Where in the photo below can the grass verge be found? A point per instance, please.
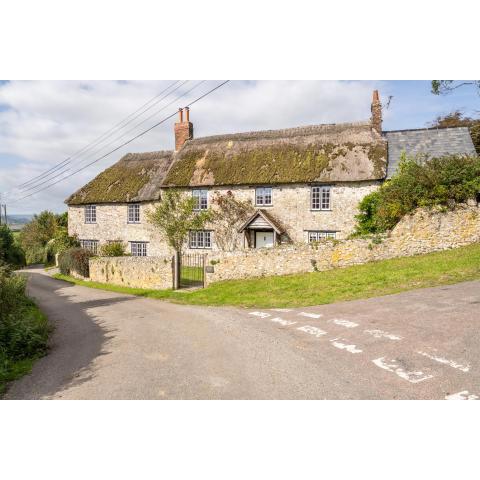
(362, 281)
(18, 360)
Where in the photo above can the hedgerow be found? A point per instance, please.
(75, 259)
(444, 181)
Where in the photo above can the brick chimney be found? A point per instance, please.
(376, 112)
(183, 129)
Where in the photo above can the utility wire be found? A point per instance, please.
(118, 126)
(116, 139)
(125, 143)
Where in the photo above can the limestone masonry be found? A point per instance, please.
(304, 184)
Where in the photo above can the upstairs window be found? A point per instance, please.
(200, 239)
(134, 213)
(90, 214)
(138, 249)
(91, 245)
(263, 196)
(317, 235)
(321, 198)
(201, 199)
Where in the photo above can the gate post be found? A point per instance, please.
(176, 270)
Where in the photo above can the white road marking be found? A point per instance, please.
(382, 334)
(317, 332)
(462, 396)
(310, 315)
(392, 366)
(344, 346)
(260, 314)
(285, 310)
(283, 322)
(345, 323)
(445, 361)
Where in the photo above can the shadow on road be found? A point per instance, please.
(79, 336)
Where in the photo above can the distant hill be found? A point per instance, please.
(17, 221)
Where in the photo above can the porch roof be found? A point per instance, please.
(267, 217)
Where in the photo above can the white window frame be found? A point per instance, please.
(133, 213)
(318, 235)
(200, 239)
(321, 197)
(262, 194)
(138, 249)
(91, 245)
(201, 199)
(90, 214)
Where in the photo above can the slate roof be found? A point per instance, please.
(345, 152)
(432, 142)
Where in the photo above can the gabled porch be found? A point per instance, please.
(261, 230)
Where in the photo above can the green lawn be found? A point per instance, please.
(363, 281)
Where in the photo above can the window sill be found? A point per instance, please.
(263, 206)
(321, 210)
(134, 223)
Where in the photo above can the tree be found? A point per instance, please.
(10, 252)
(228, 217)
(458, 119)
(444, 87)
(175, 216)
(44, 236)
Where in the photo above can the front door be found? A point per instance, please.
(263, 239)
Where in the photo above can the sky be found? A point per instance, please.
(42, 123)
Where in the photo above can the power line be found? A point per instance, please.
(105, 135)
(118, 138)
(125, 143)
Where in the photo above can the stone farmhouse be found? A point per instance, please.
(304, 183)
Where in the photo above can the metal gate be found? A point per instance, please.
(192, 270)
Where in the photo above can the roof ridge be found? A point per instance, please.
(285, 132)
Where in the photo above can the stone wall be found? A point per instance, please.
(290, 206)
(137, 272)
(423, 232)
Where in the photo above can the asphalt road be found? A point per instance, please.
(423, 344)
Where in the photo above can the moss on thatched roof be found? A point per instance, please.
(136, 177)
(344, 152)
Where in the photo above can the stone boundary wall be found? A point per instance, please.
(136, 272)
(425, 231)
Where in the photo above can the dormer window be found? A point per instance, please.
(263, 196)
(201, 199)
(90, 214)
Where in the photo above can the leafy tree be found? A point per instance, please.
(442, 181)
(458, 119)
(45, 235)
(175, 216)
(10, 252)
(444, 87)
(228, 216)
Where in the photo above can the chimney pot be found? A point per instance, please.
(183, 129)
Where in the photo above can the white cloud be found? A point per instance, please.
(44, 122)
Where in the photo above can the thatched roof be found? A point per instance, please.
(345, 152)
(320, 153)
(136, 177)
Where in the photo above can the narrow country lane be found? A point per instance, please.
(419, 344)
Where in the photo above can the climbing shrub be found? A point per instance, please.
(443, 181)
(112, 249)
